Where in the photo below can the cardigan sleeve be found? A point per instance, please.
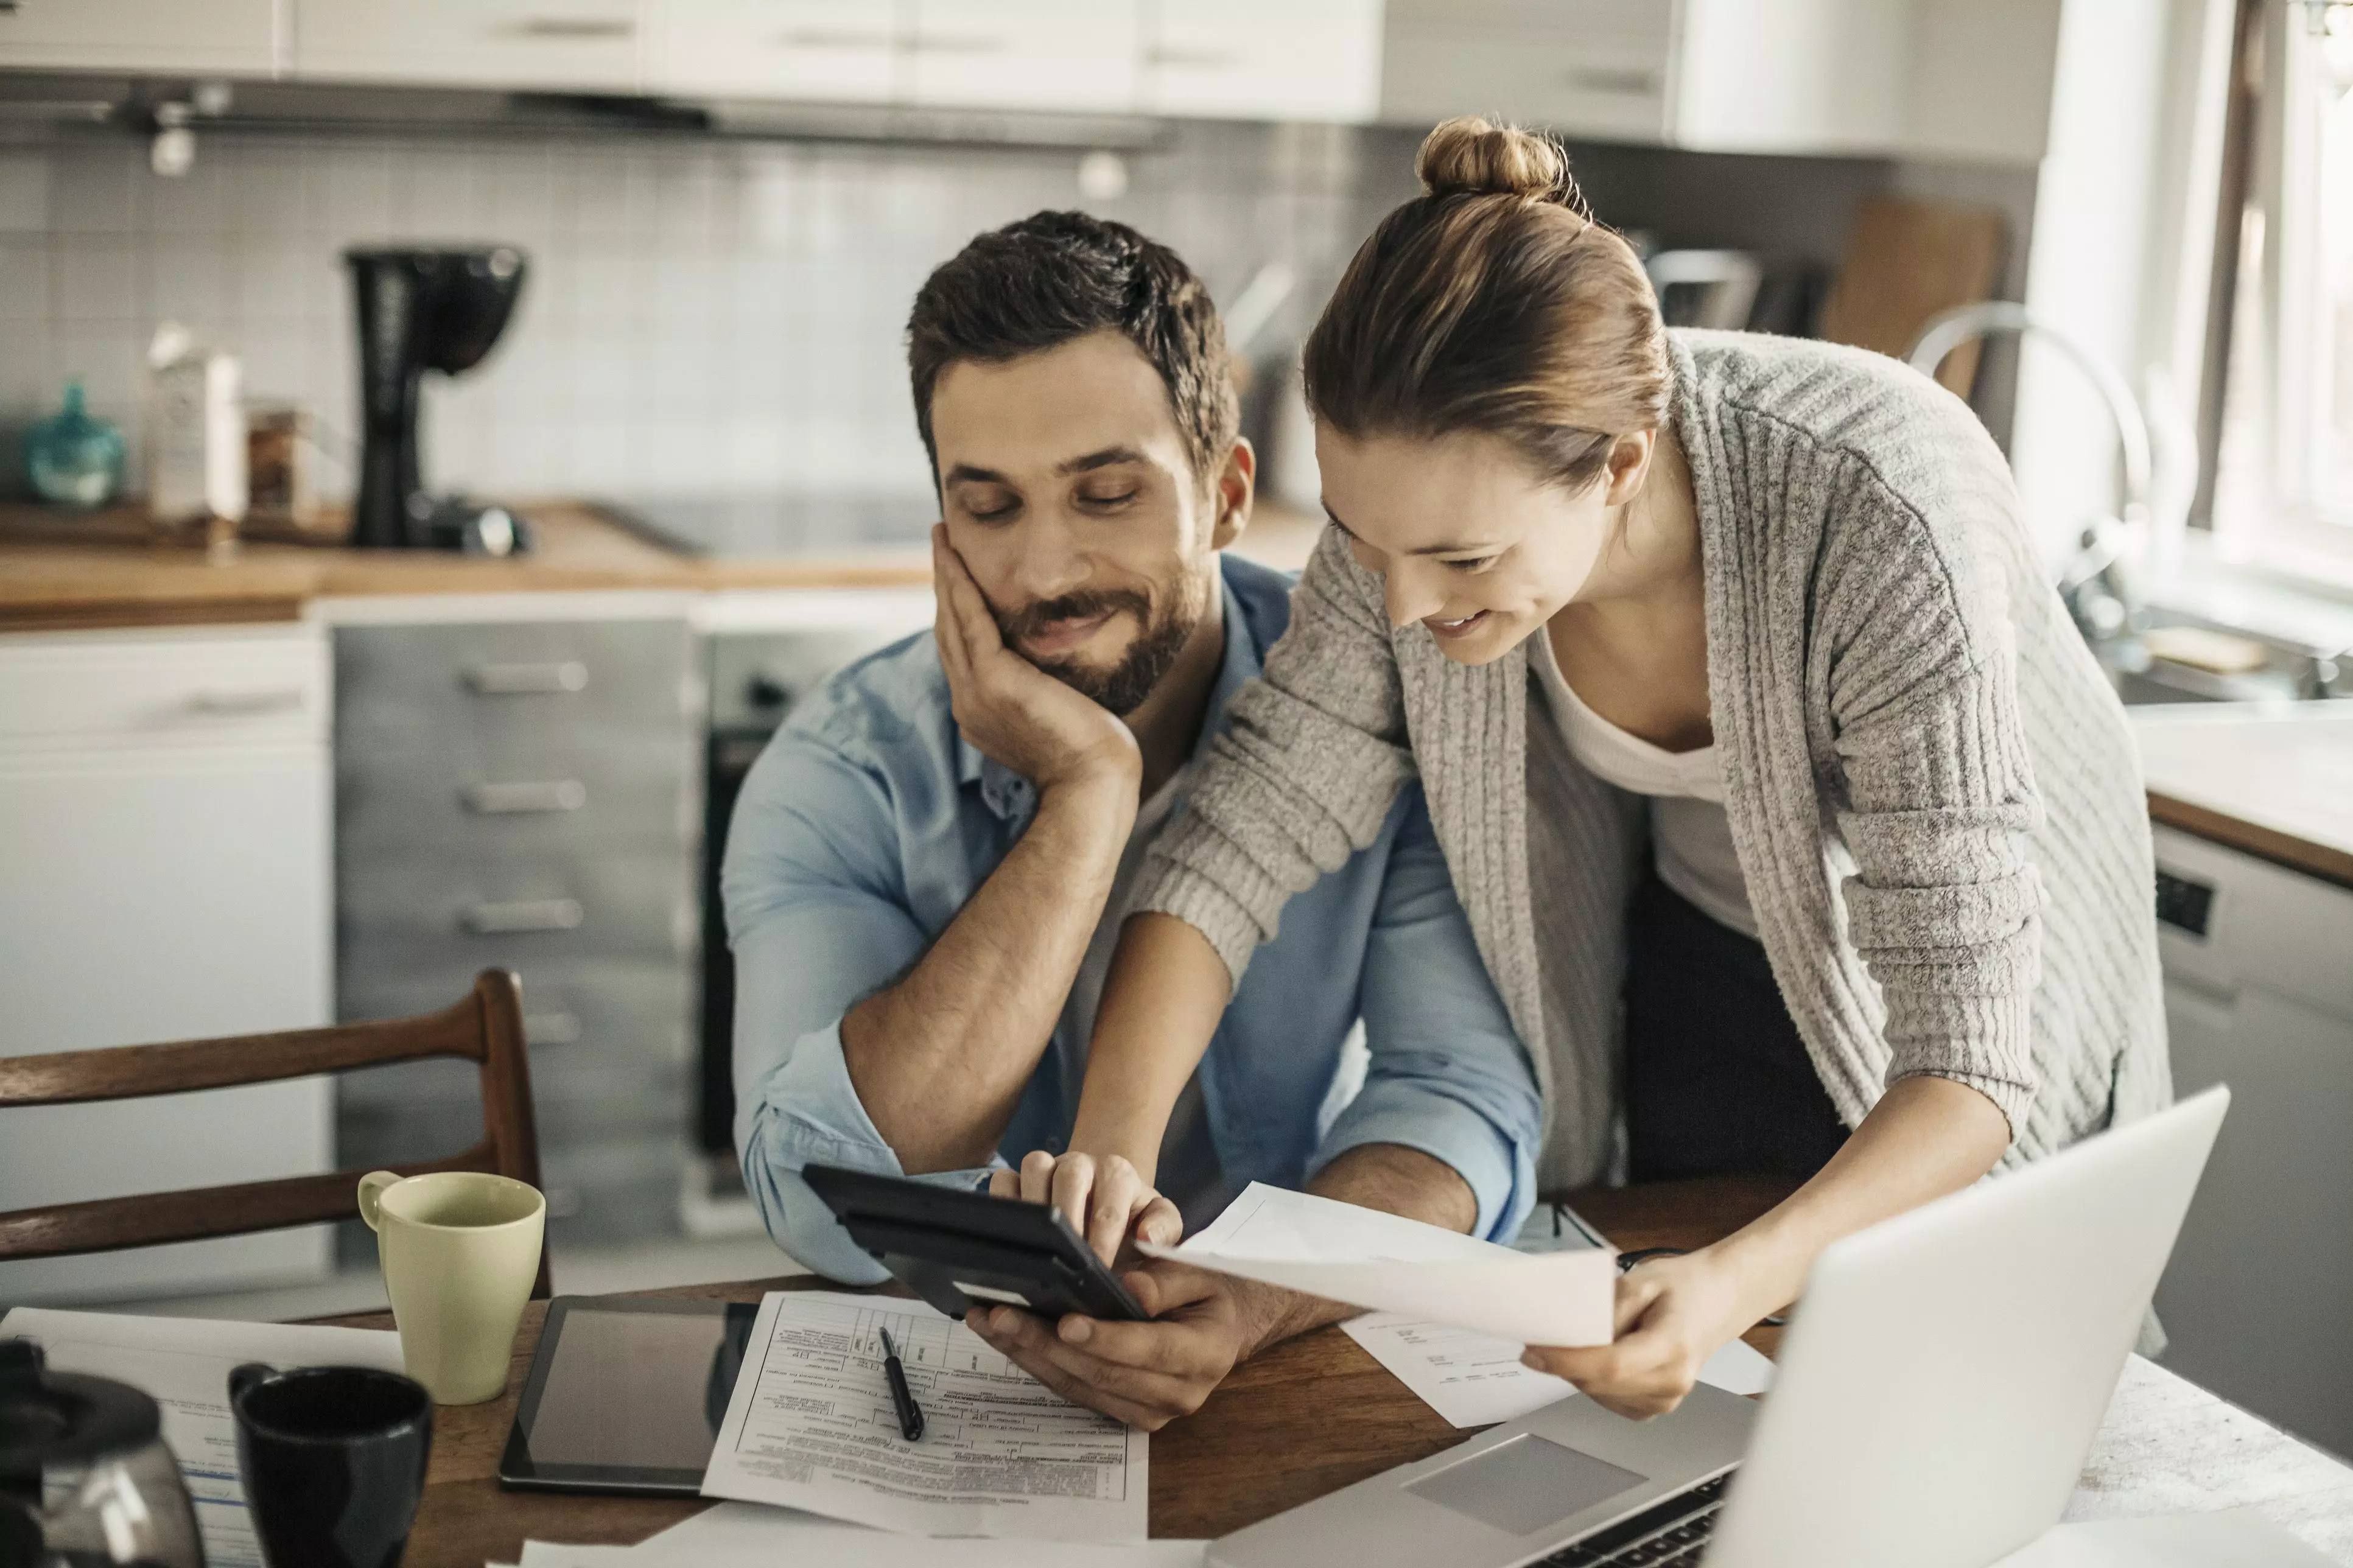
(1312, 759)
(1939, 800)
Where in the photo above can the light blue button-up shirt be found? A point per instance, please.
(868, 821)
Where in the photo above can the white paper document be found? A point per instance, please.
(184, 1363)
(1384, 1261)
(811, 1425)
(745, 1535)
(2231, 1538)
(1476, 1380)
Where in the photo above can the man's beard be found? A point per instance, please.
(1122, 687)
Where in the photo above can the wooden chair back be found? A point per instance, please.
(485, 1027)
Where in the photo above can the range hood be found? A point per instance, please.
(141, 105)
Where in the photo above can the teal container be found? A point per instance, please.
(72, 458)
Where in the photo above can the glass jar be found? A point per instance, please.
(72, 458)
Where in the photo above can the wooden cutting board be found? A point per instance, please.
(1905, 260)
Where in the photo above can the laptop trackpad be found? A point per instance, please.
(1522, 1486)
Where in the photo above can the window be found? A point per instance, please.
(2284, 457)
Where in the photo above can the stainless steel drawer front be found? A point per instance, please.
(542, 799)
(398, 687)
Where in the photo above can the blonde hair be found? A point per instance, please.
(1493, 303)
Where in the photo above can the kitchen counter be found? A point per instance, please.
(62, 571)
(107, 569)
(2273, 780)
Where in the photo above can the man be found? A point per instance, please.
(925, 871)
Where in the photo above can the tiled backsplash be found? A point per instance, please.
(710, 317)
(701, 317)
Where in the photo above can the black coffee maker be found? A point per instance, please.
(420, 311)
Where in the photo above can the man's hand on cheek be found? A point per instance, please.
(1008, 708)
(1146, 1374)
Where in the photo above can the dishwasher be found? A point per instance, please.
(2258, 1300)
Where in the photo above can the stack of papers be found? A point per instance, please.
(811, 1426)
(1368, 1259)
(184, 1363)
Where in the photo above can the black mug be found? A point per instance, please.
(333, 1460)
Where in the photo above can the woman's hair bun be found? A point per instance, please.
(1481, 158)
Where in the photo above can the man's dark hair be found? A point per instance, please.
(1053, 276)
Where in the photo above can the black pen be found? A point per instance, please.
(911, 1414)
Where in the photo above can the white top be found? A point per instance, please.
(1690, 834)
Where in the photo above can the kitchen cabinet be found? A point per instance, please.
(524, 795)
(233, 37)
(594, 46)
(1064, 55)
(2258, 995)
(1303, 59)
(164, 818)
(1949, 78)
(841, 51)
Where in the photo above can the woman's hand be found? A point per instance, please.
(1105, 1200)
(1672, 1314)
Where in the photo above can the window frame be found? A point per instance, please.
(2266, 496)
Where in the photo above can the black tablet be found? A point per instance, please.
(626, 1394)
(959, 1250)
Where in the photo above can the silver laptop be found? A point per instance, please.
(1937, 1393)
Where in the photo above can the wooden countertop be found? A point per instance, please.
(1316, 1413)
(62, 571)
(2275, 781)
(109, 569)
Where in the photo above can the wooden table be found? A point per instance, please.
(1308, 1418)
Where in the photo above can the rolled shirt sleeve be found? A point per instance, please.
(817, 921)
(1448, 1075)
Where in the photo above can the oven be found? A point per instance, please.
(765, 653)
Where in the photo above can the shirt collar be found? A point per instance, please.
(1008, 795)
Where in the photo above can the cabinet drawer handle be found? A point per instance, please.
(524, 915)
(1601, 79)
(575, 28)
(821, 38)
(268, 699)
(526, 796)
(527, 679)
(957, 43)
(551, 1028)
(1194, 60)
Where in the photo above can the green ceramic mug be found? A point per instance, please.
(460, 1249)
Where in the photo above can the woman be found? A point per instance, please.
(1783, 795)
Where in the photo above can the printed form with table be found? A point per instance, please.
(810, 1457)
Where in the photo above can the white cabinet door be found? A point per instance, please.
(587, 45)
(233, 37)
(841, 51)
(1600, 69)
(165, 882)
(1080, 56)
(1794, 76)
(1303, 59)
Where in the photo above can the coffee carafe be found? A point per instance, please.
(420, 311)
(113, 1493)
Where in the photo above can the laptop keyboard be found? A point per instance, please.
(1671, 1534)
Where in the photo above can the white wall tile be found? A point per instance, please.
(699, 316)
(97, 187)
(24, 192)
(95, 277)
(23, 280)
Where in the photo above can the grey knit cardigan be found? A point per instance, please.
(1932, 790)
